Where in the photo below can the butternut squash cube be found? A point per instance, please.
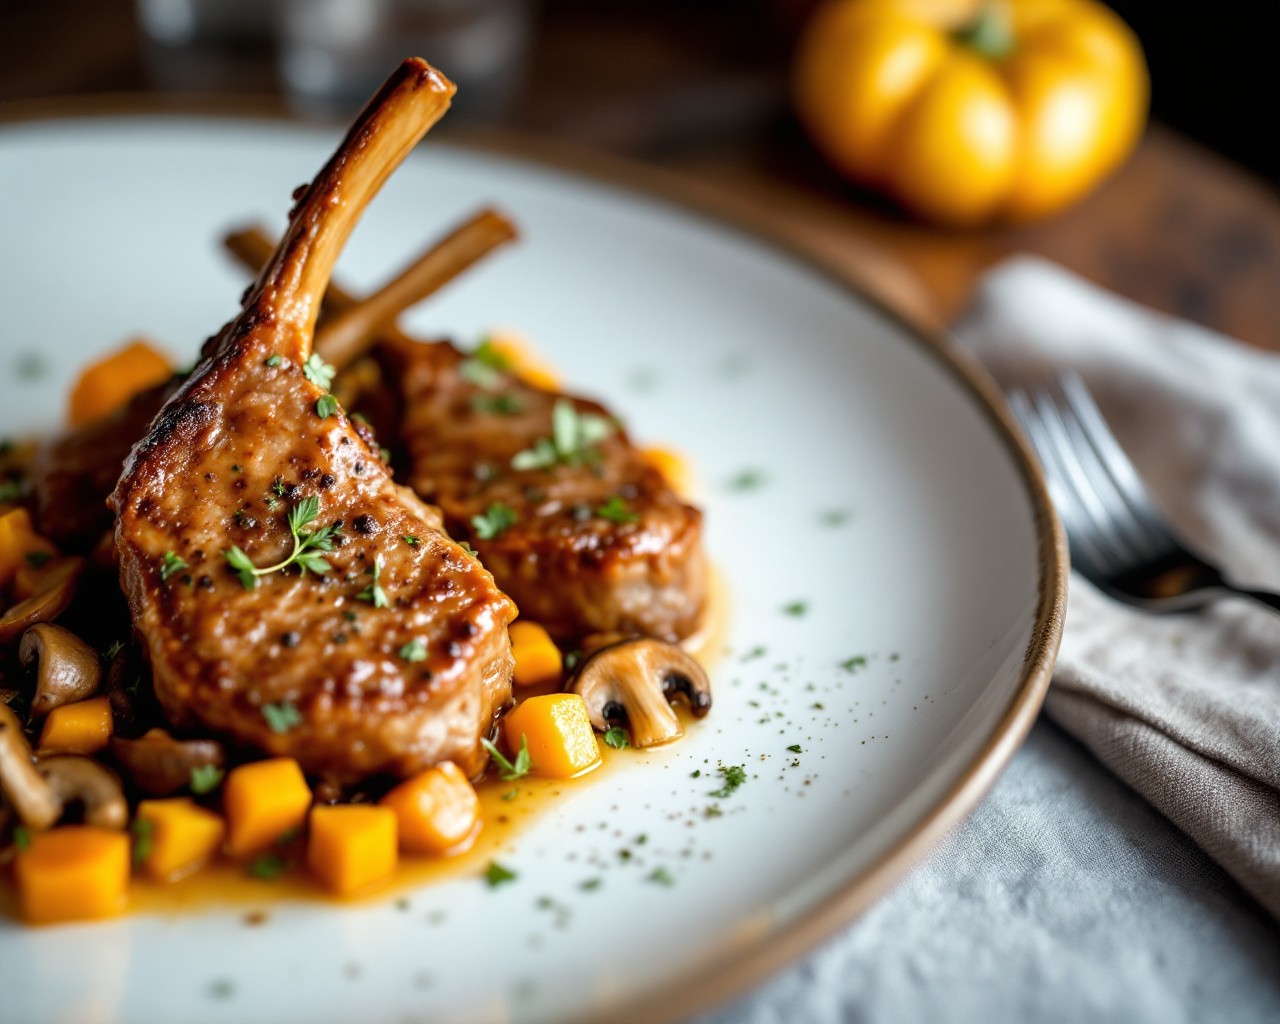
(183, 837)
(262, 801)
(18, 540)
(352, 847)
(538, 660)
(437, 811)
(674, 468)
(105, 386)
(81, 728)
(523, 361)
(73, 873)
(556, 726)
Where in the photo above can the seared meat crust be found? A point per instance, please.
(564, 565)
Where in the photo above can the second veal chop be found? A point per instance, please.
(289, 594)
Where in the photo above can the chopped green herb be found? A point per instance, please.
(268, 867)
(796, 609)
(31, 365)
(21, 838)
(505, 404)
(835, 517)
(495, 875)
(414, 650)
(468, 549)
(275, 361)
(573, 440)
(591, 884)
(572, 660)
(11, 490)
(616, 738)
(496, 519)
(35, 559)
(278, 487)
(734, 775)
(319, 372)
(411, 540)
(795, 748)
(616, 511)
(747, 480)
(143, 836)
(510, 794)
(696, 773)
(854, 663)
(281, 717)
(305, 546)
(170, 565)
(109, 655)
(374, 593)
(205, 778)
(221, 988)
(662, 876)
(326, 406)
(508, 770)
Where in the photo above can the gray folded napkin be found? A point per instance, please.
(1184, 708)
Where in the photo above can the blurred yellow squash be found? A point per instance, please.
(967, 112)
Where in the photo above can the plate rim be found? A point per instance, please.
(723, 975)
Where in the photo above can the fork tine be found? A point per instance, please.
(1085, 552)
(1116, 468)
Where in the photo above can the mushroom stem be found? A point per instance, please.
(24, 787)
(80, 778)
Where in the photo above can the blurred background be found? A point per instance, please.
(701, 88)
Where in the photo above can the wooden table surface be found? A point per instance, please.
(703, 95)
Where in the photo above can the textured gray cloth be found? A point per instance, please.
(1186, 709)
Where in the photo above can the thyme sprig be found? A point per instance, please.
(306, 544)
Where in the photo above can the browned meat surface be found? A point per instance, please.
(639, 568)
(350, 678)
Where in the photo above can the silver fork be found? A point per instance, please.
(1118, 539)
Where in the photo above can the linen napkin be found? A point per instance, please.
(1184, 708)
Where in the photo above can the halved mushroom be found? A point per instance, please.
(58, 581)
(633, 682)
(67, 668)
(82, 780)
(26, 790)
(159, 765)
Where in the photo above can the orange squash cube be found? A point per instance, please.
(538, 660)
(73, 873)
(183, 837)
(352, 847)
(437, 811)
(262, 801)
(105, 386)
(84, 727)
(557, 728)
(674, 468)
(18, 540)
(519, 355)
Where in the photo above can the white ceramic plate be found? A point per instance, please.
(862, 500)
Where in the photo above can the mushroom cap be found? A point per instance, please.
(67, 669)
(634, 681)
(75, 778)
(58, 582)
(159, 765)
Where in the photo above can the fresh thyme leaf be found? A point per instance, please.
(796, 609)
(795, 748)
(468, 549)
(21, 838)
(505, 404)
(495, 875)
(268, 867)
(35, 559)
(616, 511)
(662, 876)
(734, 775)
(747, 480)
(278, 487)
(591, 884)
(243, 566)
(305, 545)
(326, 406)
(170, 565)
(497, 518)
(143, 837)
(109, 655)
(374, 593)
(319, 372)
(485, 366)
(281, 717)
(205, 778)
(275, 360)
(574, 439)
(414, 650)
(617, 738)
(511, 771)
(853, 664)
(411, 540)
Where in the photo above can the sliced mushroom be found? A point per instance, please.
(58, 582)
(83, 780)
(634, 681)
(67, 668)
(27, 791)
(159, 765)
